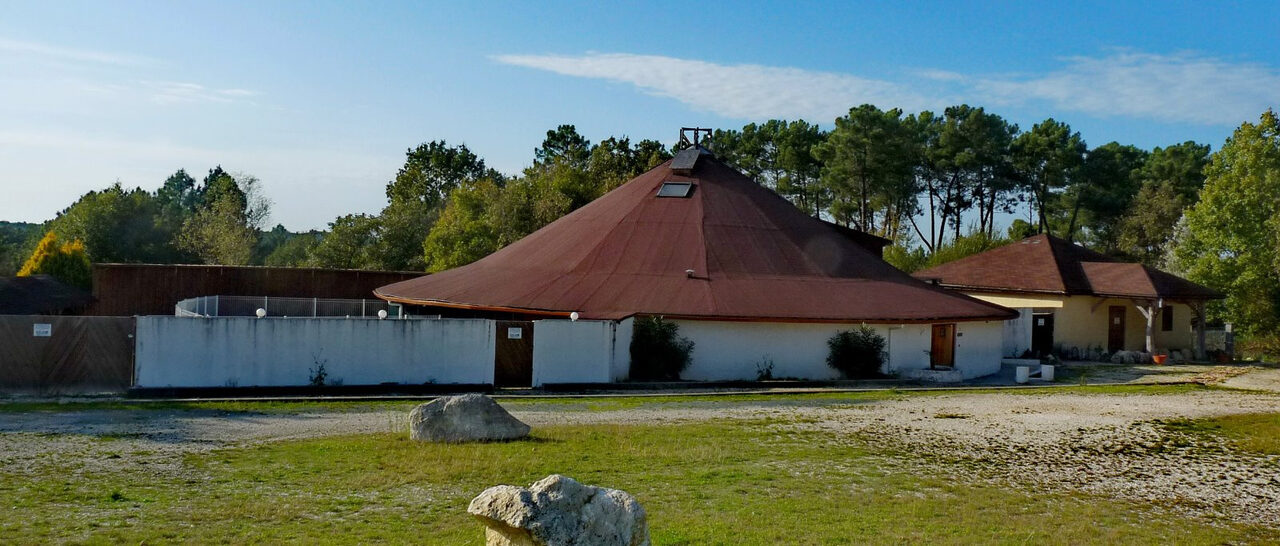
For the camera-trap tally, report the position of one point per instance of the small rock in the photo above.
(557, 510)
(465, 418)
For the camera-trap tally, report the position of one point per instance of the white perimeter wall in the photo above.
(573, 352)
(245, 352)
(735, 350)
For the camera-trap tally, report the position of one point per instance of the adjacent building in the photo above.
(1073, 298)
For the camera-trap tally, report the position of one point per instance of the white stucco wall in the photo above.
(573, 352)
(978, 348)
(1017, 334)
(734, 350)
(244, 352)
(622, 349)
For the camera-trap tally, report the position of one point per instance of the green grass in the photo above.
(1253, 432)
(589, 403)
(710, 483)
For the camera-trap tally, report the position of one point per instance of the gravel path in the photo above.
(1103, 443)
(1258, 380)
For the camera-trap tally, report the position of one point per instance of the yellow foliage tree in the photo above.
(67, 262)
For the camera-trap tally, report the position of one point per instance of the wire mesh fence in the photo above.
(248, 306)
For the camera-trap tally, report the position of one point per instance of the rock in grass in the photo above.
(559, 511)
(465, 418)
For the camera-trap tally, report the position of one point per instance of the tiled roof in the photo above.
(1050, 265)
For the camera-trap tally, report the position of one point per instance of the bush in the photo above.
(67, 262)
(657, 350)
(858, 353)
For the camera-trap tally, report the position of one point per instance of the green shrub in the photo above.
(658, 353)
(858, 353)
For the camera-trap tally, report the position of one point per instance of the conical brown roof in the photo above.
(753, 256)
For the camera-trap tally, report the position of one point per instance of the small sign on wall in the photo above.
(515, 333)
(42, 330)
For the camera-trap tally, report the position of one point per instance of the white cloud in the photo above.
(744, 91)
(1175, 88)
(33, 50)
(1183, 88)
(185, 92)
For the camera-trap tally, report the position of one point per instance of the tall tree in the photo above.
(464, 233)
(432, 170)
(564, 144)
(1103, 194)
(967, 164)
(1048, 158)
(779, 155)
(614, 160)
(220, 231)
(118, 225)
(1171, 180)
(799, 170)
(1232, 236)
(350, 244)
(868, 162)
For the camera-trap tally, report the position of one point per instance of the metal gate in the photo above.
(66, 354)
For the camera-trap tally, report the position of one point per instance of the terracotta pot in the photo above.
(1159, 359)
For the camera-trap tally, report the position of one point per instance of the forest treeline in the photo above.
(940, 185)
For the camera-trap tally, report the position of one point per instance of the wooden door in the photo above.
(943, 348)
(1041, 334)
(1115, 328)
(513, 354)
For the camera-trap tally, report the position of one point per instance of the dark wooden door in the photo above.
(942, 350)
(1041, 334)
(513, 354)
(1115, 328)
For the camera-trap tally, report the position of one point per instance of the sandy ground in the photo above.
(1101, 443)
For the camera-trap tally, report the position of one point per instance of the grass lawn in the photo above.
(593, 403)
(711, 483)
(1254, 432)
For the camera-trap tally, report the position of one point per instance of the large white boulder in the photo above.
(559, 511)
(465, 418)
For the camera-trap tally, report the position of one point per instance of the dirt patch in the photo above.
(1111, 445)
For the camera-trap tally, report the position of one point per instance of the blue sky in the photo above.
(320, 100)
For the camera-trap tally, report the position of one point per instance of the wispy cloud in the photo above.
(166, 92)
(746, 91)
(1178, 88)
(34, 50)
(1185, 87)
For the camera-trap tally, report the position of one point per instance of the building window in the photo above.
(675, 189)
(1166, 318)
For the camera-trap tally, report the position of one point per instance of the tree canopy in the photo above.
(66, 261)
(1231, 237)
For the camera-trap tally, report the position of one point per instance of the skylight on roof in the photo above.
(675, 189)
